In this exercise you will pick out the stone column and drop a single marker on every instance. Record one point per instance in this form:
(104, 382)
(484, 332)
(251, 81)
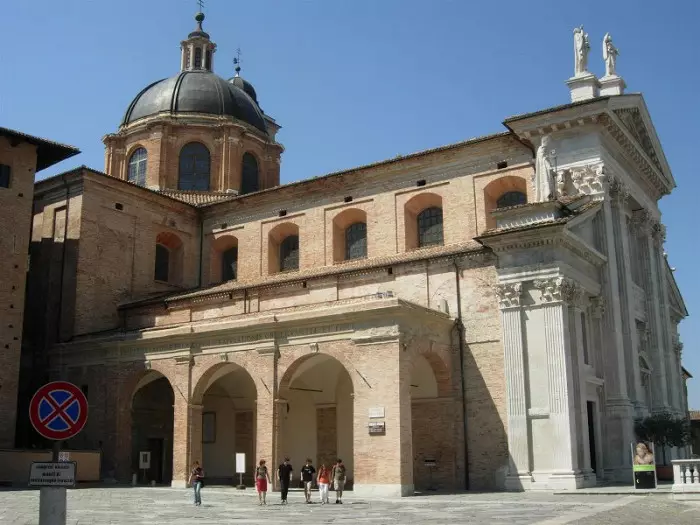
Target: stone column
(184, 423)
(566, 434)
(659, 400)
(267, 410)
(519, 475)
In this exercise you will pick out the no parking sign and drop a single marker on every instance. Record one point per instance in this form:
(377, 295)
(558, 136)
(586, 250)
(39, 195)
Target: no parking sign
(58, 410)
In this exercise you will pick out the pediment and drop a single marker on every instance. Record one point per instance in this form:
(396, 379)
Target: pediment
(674, 294)
(633, 122)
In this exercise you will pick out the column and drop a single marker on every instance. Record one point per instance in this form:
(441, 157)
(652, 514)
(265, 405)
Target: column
(191, 56)
(186, 424)
(576, 307)
(659, 401)
(519, 476)
(204, 58)
(564, 438)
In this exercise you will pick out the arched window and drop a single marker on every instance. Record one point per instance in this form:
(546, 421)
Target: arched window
(511, 198)
(430, 227)
(356, 241)
(249, 175)
(289, 253)
(194, 167)
(137, 167)
(229, 264)
(162, 268)
(198, 58)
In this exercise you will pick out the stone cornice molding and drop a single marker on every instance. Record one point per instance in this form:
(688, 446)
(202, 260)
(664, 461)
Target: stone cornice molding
(597, 306)
(560, 289)
(509, 294)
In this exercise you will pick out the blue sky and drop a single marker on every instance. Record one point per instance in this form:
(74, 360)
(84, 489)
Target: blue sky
(356, 81)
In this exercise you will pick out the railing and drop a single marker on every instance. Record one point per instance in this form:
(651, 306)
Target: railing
(686, 475)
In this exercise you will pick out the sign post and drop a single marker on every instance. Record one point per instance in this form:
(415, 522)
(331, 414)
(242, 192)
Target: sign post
(144, 462)
(240, 469)
(58, 411)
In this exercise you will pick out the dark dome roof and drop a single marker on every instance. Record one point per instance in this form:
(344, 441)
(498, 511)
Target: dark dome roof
(196, 92)
(246, 86)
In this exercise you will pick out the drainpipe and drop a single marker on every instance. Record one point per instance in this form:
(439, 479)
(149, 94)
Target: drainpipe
(459, 326)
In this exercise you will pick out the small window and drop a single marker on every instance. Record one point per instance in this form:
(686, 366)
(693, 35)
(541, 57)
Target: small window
(249, 176)
(198, 58)
(502, 165)
(584, 338)
(5, 172)
(430, 227)
(289, 253)
(162, 263)
(137, 167)
(229, 264)
(511, 198)
(356, 241)
(209, 59)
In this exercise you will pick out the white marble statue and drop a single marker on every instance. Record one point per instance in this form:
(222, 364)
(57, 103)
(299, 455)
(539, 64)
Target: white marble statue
(581, 48)
(544, 190)
(610, 53)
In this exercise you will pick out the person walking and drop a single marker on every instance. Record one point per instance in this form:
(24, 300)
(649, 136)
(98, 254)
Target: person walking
(324, 478)
(197, 482)
(339, 480)
(262, 478)
(307, 477)
(284, 474)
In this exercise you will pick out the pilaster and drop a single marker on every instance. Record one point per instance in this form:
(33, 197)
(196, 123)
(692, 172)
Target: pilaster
(509, 297)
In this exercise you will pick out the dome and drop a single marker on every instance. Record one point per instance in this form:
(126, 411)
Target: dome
(197, 91)
(246, 86)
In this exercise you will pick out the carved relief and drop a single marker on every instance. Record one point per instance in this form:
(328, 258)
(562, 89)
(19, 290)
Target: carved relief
(588, 180)
(619, 194)
(560, 289)
(598, 306)
(658, 232)
(509, 294)
(632, 120)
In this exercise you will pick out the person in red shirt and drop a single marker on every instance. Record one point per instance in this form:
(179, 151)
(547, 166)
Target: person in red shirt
(262, 478)
(324, 479)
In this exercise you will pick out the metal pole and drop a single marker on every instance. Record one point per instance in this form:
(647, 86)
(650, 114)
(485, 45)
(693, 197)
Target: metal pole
(52, 500)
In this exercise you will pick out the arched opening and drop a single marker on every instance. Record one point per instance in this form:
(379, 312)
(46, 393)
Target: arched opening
(228, 396)
(283, 248)
(350, 235)
(198, 58)
(501, 193)
(433, 424)
(249, 174)
(152, 428)
(168, 258)
(224, 259)
(423, 221)
(137, 166)
(317, 419)
(195, 163)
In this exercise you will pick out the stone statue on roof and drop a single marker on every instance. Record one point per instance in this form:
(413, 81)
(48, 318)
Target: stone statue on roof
(544, 190)
(610, 53)
(581, 48)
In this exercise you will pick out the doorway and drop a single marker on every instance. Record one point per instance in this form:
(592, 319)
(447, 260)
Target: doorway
(590, 408)
(155, 445)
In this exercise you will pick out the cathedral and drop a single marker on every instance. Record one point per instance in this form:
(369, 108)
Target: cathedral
(492, 314)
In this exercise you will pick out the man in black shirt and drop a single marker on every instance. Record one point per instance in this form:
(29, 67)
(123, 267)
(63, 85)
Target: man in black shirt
(307, 477)
(284, 474)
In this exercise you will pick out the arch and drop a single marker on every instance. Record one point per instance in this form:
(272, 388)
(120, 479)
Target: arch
(138, 162)
(511, 198)
(168, 258)
(423, 221)
(152, 424)
(350, 235)
(284, 252)
(228, 396)
(498, 188)
(250, 181)
(194, 167)
(317, 420)
(224, 259)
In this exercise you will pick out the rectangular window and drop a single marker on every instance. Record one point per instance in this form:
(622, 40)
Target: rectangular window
(4, 176)
(584, 338)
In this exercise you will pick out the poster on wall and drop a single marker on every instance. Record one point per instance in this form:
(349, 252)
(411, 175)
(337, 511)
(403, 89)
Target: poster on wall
(643, 465)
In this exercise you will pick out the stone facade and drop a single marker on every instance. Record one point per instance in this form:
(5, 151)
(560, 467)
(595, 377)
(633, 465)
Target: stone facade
(477, 339)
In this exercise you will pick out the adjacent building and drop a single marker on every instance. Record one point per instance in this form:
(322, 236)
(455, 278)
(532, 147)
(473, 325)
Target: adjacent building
(21, 156)
(489, 314)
